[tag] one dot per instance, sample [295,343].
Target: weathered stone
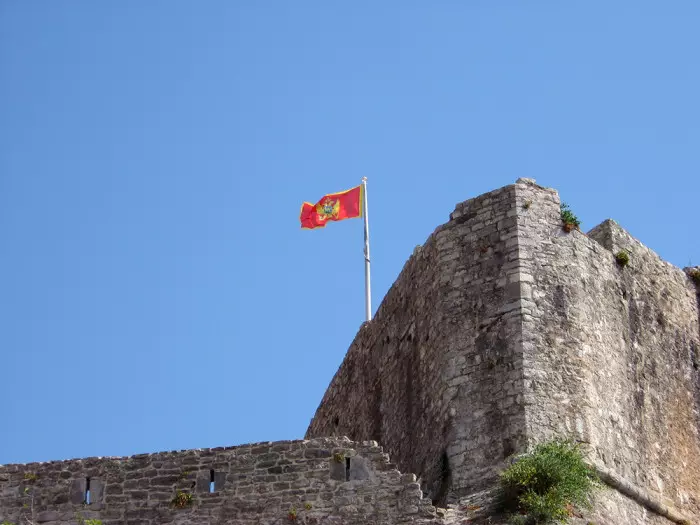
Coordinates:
[529,301]
[359,469]
[77,490]
[49,515]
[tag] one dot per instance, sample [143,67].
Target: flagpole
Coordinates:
[368,298]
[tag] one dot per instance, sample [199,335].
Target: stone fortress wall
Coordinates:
[329,481]
[437,376]
[501,331]
[612,354]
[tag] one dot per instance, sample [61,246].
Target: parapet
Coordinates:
[330,481]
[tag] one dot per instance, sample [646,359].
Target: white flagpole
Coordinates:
[368,298]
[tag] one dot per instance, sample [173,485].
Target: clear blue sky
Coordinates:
[156,291]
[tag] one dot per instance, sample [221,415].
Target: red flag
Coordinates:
[332,207]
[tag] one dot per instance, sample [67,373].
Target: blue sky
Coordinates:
[156,290]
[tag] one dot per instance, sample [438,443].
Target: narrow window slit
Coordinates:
[87,491]
[347,469]
[212,481]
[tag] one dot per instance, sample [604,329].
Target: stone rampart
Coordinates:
[324,481]
[436,377]
[541,334]
[610,351]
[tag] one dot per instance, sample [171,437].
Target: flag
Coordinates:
[332,207]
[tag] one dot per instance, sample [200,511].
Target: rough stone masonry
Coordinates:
[501,331]
[329,481]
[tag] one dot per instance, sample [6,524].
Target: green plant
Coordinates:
[338,457]
[623,258]
[5,522]
[182,499]
[544,485]
[83,521]
[570,220]
[29,493]
[526,205]
[307,506]
[292,514]
[30,477]
[695,275]
[183,475]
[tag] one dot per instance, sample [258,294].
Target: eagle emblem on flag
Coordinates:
[332,207]
[328,208]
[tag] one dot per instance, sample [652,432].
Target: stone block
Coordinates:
[77,491]
[359,469]
[337,470]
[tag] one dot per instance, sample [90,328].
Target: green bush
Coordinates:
[622,258]
[544,485]
[570,220]
[182,499]
[83,521]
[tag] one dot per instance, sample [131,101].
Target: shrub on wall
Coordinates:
[83,521]
[544,486]
[622,258]
[30,477]
[571,221]
[182,499]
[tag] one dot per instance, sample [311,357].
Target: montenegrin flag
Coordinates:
[332,207]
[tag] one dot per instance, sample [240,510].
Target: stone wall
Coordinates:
[328,481]
[610,352]
[435,377]
[504,330]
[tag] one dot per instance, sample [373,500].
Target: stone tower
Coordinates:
[503,330]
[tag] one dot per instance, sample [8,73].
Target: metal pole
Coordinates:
[368,298]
